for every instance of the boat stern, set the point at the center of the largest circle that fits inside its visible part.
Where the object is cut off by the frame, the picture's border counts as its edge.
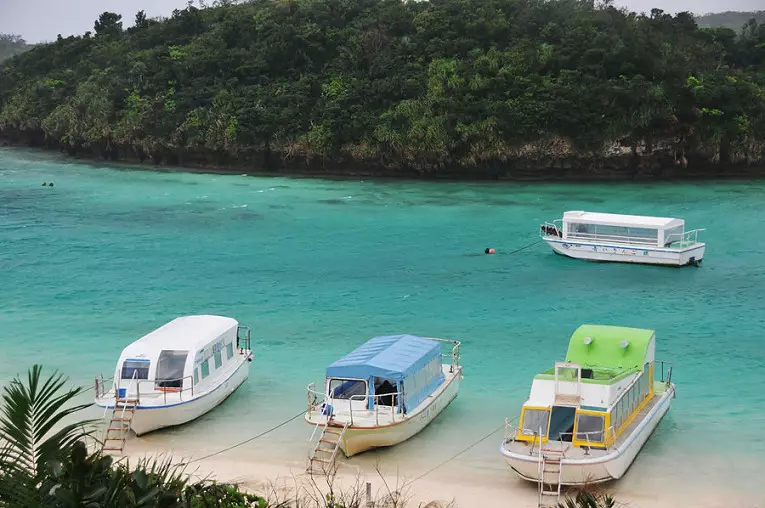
(694, 256)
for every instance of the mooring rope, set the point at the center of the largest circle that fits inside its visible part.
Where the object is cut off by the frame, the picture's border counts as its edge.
(472, 445)
(523, 248)
(282, 424)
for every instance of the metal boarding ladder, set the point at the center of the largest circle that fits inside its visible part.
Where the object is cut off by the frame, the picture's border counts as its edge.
(550, 465)
(325, 451)
(121, 420)
(119, 426)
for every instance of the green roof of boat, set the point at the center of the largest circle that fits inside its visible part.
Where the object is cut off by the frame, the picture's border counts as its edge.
(605, 350)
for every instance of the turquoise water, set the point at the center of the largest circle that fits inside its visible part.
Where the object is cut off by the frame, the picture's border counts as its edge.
(317, 266)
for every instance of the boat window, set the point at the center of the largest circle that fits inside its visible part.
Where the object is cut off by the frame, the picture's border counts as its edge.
(589, 427)
(346, 388)
(196, 375)
(534, 420)
(673, 235)
(170, 368)
(229, 351)
(137, 368)
(615, 233)
(385, 389)
(205, 368)
(218, 360)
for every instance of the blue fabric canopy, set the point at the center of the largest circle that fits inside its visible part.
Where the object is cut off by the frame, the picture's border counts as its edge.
(392, 357)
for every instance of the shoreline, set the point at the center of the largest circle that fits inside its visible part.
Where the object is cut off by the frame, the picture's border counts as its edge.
(263, 476)
(343, 171)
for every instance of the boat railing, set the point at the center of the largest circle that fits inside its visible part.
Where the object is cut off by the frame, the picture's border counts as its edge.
(666, 371)
(165, 390)
(375, 402)
(243, 338)
(554, 228)
(683, 240)
(318, 401)
(454, 354)
(599, 439)
(101, 391)
(100, 388)
(595, 439)
(620, 239)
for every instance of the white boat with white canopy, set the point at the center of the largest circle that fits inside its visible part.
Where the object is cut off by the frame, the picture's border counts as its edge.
(173, 375)
(382, 393)
(586, 419)
(624, 238)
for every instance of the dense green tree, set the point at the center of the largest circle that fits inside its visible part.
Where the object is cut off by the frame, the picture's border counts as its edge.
(434, 86)
(108, 23)
(10, 45)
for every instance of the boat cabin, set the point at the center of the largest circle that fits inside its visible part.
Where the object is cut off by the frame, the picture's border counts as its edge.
(397, 371)
(189, 354)
(592, 398)
(623, 229)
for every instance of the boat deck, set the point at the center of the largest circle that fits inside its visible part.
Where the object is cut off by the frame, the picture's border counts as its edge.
(575, 453)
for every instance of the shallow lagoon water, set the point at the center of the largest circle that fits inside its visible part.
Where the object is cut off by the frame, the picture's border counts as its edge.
(317, 266)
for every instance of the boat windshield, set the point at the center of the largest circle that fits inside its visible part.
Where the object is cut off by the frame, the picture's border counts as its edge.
(138, 369)
(170, 369)
(589, 427)
(346, 388)
(534, 420)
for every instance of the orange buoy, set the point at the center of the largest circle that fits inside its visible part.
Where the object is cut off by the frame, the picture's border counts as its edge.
(489, 251)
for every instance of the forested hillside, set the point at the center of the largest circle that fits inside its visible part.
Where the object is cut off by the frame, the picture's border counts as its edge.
(442, 86)
(730, 19)
(11, 45)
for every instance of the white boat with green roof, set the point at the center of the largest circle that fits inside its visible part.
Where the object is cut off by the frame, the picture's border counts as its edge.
(587, 418)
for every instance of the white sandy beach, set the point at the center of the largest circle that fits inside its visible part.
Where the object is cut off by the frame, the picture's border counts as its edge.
(449, 483)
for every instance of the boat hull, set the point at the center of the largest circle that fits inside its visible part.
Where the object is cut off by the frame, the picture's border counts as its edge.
(592, 251)
(611, 466)
(148, 418)
(360, 439)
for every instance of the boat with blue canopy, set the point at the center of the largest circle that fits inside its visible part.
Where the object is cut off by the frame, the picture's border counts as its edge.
(382, 393)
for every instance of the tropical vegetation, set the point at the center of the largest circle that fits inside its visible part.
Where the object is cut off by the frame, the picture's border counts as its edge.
(11, 45)
(46, 462)
(402, 87)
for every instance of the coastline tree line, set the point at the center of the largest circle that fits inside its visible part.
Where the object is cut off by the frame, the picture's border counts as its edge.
(401, 87)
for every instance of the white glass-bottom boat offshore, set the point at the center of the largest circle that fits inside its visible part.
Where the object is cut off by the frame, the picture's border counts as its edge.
(587, 418)
(624, 238)
(382, 393)
(173, 375)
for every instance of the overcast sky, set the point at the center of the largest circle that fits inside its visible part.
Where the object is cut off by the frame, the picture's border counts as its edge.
(43, 20)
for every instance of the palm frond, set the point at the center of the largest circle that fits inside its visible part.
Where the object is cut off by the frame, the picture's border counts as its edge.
(29, 415)
(588, 499)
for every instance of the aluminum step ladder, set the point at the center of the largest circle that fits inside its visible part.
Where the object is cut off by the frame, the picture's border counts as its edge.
(550, 478)
(119, 426)
(325, 451)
